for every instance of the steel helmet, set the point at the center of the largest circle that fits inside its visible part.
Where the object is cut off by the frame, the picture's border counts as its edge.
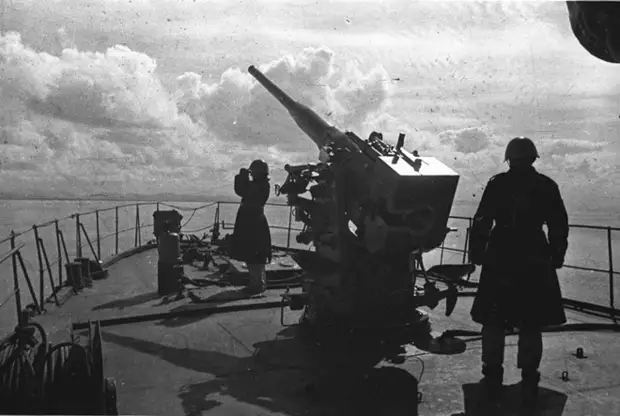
(259, 168)
(521, 148)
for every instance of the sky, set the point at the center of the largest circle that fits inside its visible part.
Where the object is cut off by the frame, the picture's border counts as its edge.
(137, 96)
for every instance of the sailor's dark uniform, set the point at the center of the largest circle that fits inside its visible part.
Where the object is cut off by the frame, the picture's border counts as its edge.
(251, 239)
(519, 285)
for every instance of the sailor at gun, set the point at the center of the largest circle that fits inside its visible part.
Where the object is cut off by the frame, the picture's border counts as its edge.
(251, 239)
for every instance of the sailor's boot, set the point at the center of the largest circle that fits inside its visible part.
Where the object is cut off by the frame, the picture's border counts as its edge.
(492, 361)
(528, 360)
(257, 279)
(492, 383)
(529, 387)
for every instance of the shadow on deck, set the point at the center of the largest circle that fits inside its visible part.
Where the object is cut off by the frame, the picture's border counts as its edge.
(128, 302)
(551, 402)
(279, 376)
(244, 363)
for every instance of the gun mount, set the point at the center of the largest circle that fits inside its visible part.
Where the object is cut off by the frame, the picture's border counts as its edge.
(373, 210)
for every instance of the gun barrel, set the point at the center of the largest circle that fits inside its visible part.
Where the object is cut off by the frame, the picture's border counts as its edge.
(320, 131)
(273, 89)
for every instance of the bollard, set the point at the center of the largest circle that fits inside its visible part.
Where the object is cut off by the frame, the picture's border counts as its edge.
(86, 278)
(74, 275)
(169, 266)
(97, 272)
(168, 278)
(25, 317)
(169, 248)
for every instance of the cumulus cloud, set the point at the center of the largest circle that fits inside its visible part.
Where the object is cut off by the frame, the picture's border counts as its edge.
(571, 146)
(457, 78)
(468, 140)
(477, 153)
(115, 88)
(108, 89)
(90, 118)
(239, 110)
(87, 115)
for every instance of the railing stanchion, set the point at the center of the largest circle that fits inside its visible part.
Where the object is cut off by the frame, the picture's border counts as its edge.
(18, 299)
(78, 237)
(135, 234)
(41, 272)
(98, 235)
(290, 222)
(49, 270)
(216, 219)
(611, 274)
(59, 252)
(443, 244)
(466, 245)
(27, 277)
(138, 225)
(64, 246)
(116, 225)
(92, 249)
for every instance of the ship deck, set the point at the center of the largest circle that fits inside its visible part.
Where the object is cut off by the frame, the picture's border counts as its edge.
(216, 353)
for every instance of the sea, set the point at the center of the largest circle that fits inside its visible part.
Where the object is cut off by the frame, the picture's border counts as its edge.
(588, 248)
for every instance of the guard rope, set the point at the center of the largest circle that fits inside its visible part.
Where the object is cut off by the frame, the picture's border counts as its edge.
(188, 209)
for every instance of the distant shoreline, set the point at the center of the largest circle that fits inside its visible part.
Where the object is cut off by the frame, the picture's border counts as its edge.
(598, 216)
(144, 199)
(102, 199)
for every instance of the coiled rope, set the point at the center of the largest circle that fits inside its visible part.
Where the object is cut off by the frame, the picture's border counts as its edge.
(38, 378)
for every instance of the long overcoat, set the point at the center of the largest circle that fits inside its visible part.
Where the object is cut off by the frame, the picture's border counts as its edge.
(251, 239)
(518, 281)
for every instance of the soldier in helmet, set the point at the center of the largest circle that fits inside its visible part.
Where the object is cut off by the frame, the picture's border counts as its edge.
(519, 285)
(251, 239)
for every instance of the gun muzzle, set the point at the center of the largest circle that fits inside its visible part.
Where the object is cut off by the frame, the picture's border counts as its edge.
(298, 168)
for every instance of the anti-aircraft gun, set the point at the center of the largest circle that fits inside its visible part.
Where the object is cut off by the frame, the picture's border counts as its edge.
(373, 210)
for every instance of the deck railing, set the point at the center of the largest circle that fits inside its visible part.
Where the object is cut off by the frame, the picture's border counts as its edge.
(52, 279)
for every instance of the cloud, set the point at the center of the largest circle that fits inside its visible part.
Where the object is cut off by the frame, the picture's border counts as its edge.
(571, 146)
(155, 99)
(115, 88)
(89, 118)
(240, 110)
(477, 153)
(86, 115)
(468, 140)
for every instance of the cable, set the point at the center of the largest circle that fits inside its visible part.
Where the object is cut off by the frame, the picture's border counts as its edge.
(190, 218)
(19, 341)
(41, 331)
(188, 209)
(59, 346)
(6, 365)
(199, 229)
